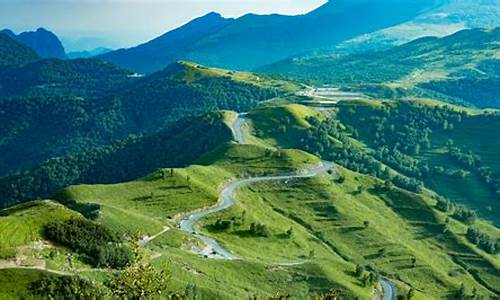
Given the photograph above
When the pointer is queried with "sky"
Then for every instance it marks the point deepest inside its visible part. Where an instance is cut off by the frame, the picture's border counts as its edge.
(86, 24)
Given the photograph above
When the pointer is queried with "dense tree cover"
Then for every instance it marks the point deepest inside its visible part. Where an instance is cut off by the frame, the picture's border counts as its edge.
(399, 132)
(478, 86)
(332, 141)
(54, 77)
(405, 127)
(179, 145)
(483, 240)
(13, 53)
(62, 125)
(99, 244)
(65, 287)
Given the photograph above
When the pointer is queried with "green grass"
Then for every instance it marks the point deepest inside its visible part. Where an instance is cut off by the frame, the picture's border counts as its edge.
(335, 225)
(403, 224)
(269, 120)
(14, 283)
(23, 223)
(259, 80)
(144, 205)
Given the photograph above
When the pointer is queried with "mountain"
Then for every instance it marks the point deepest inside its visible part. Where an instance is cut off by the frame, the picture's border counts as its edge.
(450, 17)
(13, 53)
(45, 43)
(88, 53)
(78, 109)
(158, 53)
(461, 68)
(255, 40)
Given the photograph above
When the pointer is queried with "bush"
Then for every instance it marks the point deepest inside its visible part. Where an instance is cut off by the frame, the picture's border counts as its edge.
(113, 256)
(65, 287)
(7, 252)
(92, 239)
(258, 229)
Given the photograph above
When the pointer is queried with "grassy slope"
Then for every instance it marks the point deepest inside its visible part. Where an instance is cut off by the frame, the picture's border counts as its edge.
(412, 237)
(22, 224)
(401, 223)
(326, 217)
(478, 132)
(14, 283)
(153, 200)
(449, 68)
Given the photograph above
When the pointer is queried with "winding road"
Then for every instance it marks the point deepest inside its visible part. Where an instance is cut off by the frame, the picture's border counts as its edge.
(212, 248)
(389, 289)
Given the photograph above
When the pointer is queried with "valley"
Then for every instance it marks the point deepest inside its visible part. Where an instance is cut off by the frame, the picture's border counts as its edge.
(337, 154)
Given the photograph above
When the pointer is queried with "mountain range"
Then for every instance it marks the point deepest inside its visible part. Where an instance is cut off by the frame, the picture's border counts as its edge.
(255, 40)
(460, 68)
(351, 163)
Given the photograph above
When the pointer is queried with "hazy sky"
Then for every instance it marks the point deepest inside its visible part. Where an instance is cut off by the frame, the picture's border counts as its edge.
(120, 23)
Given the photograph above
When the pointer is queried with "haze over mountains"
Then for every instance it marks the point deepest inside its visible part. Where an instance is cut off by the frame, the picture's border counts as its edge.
(253, 40)
(45, 43)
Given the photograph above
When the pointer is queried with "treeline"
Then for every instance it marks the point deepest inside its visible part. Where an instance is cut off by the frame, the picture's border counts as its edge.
(102, 247)
(404, 126)
(179, 145)
(483, 240)
(458, 212)
(55, 77)
(472, 162)
(480, 89)
(330, 140)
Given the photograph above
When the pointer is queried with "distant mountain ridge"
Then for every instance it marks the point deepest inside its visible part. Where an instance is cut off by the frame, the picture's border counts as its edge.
(255, 40)
(461, 68)
(45, 43)
(159, 52)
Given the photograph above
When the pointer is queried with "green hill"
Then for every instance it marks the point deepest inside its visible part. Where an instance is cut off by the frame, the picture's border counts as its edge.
(321, 233)
(178, 145)
(60, 124)
(460, 68)
(425, 142)
(23, 224)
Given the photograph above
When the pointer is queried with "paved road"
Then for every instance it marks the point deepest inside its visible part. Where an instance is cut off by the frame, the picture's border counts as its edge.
(389, 289)
(237, 128)
(226, 200)
(212, 248)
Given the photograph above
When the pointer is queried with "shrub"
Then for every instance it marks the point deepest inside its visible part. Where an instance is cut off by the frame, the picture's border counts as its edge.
(259, 230)
(92, 239)
(65, 287)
